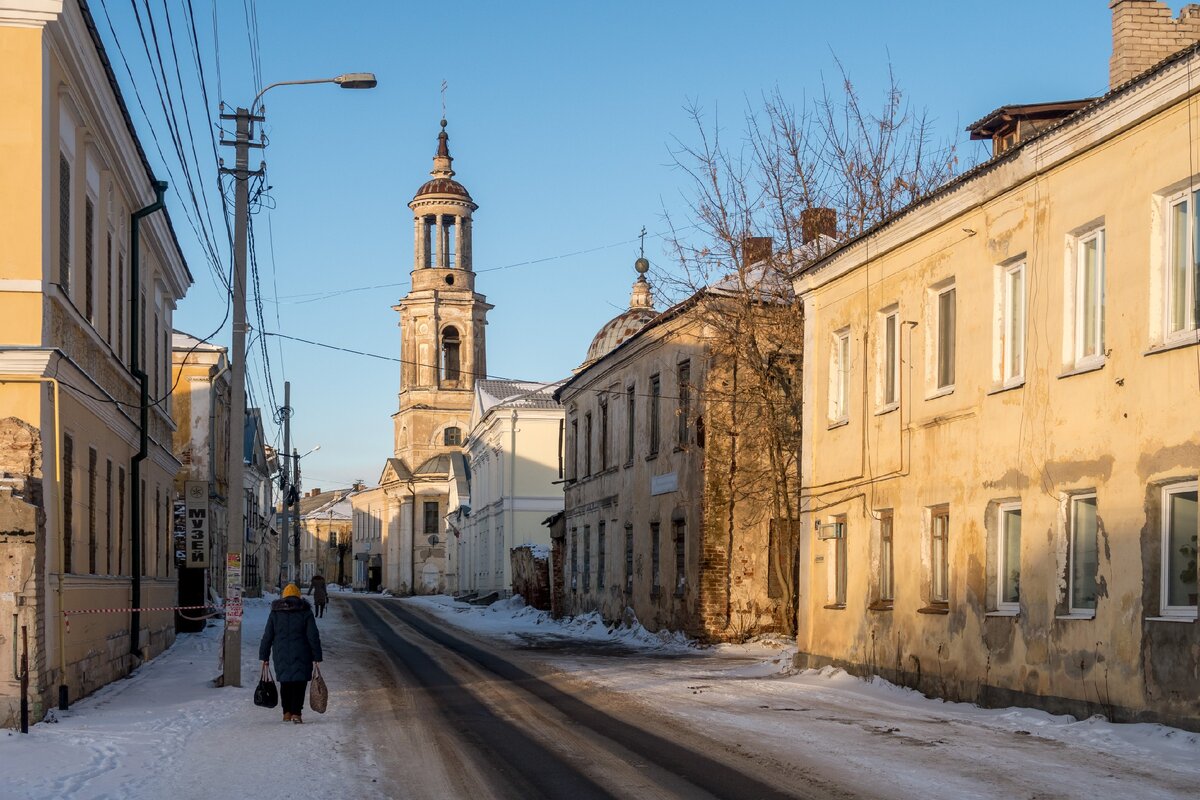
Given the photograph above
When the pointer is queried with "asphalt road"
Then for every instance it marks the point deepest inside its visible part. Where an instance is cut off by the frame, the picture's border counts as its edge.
(474, 719)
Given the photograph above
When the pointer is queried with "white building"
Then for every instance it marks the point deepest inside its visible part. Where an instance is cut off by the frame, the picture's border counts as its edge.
(514, 452)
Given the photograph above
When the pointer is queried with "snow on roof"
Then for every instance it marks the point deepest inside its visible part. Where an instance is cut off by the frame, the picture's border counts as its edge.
(516, 394)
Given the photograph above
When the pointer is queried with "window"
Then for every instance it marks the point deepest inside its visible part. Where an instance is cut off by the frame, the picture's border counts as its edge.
(450, 354)
(1182, 266)
(889, 363)
(601, 554)
(120, 521)
(840, 573)
(603, 434)
(839, 376)
(587, 444)
(1084, 557)
(630, 423)
(684, 409)
(939, 555)
(108, 517)
(452, 437)
(1008, 558)
(587, 557)
(431, 517)
(1089, 297)
(68, 490)
(946, 333)
(655, 397)
(114, 294)
(92, 510)
(89, 260)
(655, 573)
(887, 583)
(679, 535)
(1011, 339)
(1179, 550)
(64, 225)
(574, 449)
(121, 306)
(574, 558)
(628, 559)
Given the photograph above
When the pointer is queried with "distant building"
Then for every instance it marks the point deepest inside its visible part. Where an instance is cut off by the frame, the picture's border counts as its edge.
(261, 568)
(71, 302)
(514, 465)
(325, 522)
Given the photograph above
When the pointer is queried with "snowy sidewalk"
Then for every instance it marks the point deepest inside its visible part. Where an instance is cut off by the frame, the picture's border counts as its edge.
(166, 732)
(865, 735)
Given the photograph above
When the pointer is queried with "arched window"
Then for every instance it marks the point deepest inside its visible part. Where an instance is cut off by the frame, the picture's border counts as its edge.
(452, 437)
(450, 354)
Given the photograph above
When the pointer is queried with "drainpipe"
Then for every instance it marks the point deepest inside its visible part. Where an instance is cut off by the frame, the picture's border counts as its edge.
(412, 541)
(59, 516)
(512, 496)
(135, 463)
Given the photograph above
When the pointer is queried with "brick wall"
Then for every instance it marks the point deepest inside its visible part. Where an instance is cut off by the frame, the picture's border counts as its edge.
(531, 577)
(1145, 32)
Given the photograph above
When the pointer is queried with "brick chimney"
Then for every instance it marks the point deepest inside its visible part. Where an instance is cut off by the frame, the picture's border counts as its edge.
(816, 222)
(314, 493)
(1144, 33)
(755, 249)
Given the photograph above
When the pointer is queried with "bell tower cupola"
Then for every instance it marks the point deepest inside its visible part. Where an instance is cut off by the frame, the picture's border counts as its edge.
(442, 211)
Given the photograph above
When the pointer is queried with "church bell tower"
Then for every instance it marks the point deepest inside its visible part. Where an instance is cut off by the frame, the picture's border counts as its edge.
(442, 320)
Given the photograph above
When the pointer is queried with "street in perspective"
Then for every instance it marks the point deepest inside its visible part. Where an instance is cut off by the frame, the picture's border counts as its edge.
(826, 445)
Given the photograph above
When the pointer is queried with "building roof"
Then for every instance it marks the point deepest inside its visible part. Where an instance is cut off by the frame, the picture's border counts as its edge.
(188, 343)
(1004, 116)
(625, 325)
(515, 394)
(310, 504)
(446, 186)
(443, 184)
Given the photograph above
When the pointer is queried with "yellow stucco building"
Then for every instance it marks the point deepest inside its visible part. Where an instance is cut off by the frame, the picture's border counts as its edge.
(71, 306)
(1001, 444)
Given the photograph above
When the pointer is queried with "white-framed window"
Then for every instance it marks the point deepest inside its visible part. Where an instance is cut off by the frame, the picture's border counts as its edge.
(834, 532)
(939, 554)
(1179, 522)
(1182, 267)
(887, 580)
(1008, 557)
(1084, 555)
(942, 337)
(1088, 317)
(1010, 327)
(839, 376)
(888, 385)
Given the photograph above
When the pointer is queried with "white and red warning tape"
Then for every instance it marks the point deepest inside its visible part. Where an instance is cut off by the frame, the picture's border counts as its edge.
(67, 614)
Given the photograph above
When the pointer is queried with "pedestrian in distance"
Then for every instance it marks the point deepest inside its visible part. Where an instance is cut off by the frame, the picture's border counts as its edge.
(319, 594)
(291, 636)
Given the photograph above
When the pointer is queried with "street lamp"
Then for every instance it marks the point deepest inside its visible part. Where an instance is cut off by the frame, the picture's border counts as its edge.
(232, 668)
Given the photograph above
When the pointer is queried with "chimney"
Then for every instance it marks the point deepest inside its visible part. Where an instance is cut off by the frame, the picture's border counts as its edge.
(816, 222)
(359, 486)
(1144, 33)
(314, 493)
(755, 249)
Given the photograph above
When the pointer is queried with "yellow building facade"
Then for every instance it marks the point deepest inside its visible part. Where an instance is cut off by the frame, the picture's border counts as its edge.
(73, 172)
(1001, 444)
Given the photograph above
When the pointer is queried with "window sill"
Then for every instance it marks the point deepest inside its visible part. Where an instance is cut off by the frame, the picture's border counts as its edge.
(837, 423)
(679, 593)
(1004, 612)
(836, 606)
(652, 456)
(880, 605)
(680, 448)
(628, 464)
(936, 608)
(1180, 618)
(1185, 340)
(1083, 368)
(1008, 387)
(945, 390)
(889, 408)
(1078, 615)
(655, 594)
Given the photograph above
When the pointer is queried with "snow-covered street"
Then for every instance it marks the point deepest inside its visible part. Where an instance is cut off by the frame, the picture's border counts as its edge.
(431, 698)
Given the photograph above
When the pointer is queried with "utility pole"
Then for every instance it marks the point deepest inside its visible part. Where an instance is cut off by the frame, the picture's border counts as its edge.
(285, 484)
(232, 668)
(296, 517)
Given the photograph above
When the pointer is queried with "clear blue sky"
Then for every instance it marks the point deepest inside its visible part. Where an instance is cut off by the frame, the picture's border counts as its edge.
(561, 118)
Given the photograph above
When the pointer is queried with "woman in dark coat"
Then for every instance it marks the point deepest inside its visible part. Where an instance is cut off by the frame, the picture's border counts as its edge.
(291, 634)
(319, 593)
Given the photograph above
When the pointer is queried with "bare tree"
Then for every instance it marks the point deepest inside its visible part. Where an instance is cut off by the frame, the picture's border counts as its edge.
(798, 181)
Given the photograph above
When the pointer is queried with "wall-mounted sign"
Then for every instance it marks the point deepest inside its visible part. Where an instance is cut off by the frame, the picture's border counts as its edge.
(664, 484)
(196, 502)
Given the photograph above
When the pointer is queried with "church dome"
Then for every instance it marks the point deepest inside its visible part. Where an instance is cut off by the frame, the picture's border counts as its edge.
(624, 326)
(443, 186)
(442, 183)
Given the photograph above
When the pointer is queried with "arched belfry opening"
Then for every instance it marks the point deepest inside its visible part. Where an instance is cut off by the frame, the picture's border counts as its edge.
(451, 355)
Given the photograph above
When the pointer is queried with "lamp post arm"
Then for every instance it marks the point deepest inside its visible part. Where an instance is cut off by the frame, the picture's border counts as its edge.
(267, 88)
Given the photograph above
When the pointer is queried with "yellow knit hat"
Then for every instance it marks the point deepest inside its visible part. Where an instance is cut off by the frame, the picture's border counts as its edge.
(291, 590)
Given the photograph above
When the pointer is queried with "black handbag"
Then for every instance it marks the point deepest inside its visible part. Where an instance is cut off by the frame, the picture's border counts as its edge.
(266, 694)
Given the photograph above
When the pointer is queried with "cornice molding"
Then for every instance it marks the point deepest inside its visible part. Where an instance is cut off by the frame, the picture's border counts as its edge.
(28, 13)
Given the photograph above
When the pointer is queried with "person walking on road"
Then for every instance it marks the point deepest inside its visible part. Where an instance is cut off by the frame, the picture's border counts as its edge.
(291, 636)
(320, 595)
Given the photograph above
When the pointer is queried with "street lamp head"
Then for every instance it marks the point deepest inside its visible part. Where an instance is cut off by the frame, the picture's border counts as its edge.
(356, 80)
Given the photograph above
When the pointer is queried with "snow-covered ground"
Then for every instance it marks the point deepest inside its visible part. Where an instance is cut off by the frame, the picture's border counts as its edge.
(166, 732)
(869, 734)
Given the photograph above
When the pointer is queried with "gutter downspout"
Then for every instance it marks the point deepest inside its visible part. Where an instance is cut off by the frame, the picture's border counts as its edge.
(412, 541)
(512, 496)
(135, 463)
(59, 516)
